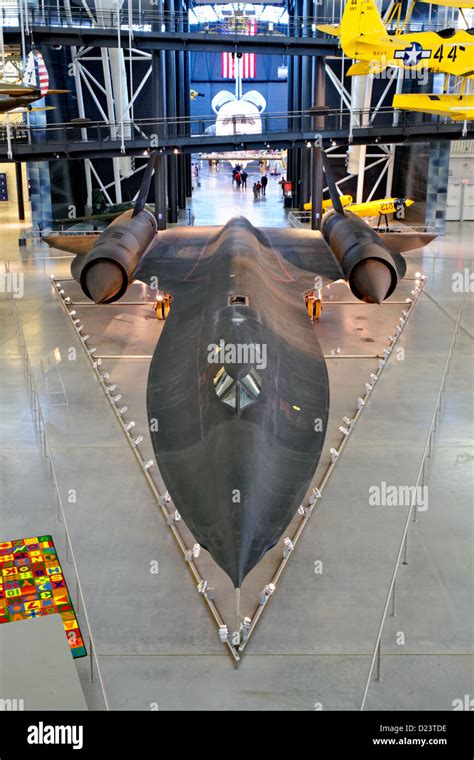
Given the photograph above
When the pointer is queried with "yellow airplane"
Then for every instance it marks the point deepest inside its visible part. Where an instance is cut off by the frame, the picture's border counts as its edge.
(365, 39)
(381, 208)
(345, 201)
(458, 107)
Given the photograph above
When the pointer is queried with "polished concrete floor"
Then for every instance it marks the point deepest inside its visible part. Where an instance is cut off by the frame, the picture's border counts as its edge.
(155, 640)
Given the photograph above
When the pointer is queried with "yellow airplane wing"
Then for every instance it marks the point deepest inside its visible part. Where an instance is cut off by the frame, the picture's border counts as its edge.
(363, 68)
(451, 3)
(458, 107)
(18, 90)
(31, 110)
(334, 31)
(327, 204)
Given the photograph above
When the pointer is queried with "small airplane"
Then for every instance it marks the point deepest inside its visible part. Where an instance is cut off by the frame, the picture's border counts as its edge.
(365, 39)
(18, 96)
(381, 208)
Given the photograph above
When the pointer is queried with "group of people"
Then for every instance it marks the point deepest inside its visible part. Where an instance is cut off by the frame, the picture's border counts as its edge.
(260, 187)
(239, 176)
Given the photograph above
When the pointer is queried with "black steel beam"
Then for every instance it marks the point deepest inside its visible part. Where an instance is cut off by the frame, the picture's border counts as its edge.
(194, 41)
(23, 151)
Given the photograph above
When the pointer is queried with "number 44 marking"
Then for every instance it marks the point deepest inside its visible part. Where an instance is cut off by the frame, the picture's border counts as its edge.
(452, 55)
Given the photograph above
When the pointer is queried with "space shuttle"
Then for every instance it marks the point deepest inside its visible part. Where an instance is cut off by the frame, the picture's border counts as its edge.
(238, 378)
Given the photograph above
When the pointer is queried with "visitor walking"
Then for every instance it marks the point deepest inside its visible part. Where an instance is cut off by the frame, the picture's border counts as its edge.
(264, 182)
(243, 177)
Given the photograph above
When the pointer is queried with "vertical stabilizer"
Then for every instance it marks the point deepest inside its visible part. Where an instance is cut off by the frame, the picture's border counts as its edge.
(361, 17)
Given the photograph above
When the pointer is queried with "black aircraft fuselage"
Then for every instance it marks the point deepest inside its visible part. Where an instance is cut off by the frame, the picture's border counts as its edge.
(238, 393)
(239, 388)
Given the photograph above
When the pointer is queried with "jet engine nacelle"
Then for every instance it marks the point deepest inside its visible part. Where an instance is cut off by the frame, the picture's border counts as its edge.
(105, 272)
(370, 269)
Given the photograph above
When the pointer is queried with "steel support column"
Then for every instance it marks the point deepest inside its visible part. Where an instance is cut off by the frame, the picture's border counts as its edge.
(171, 112)
(317, 184)
(159, 110)
(317, 181)
(160, 191)
(19, 191)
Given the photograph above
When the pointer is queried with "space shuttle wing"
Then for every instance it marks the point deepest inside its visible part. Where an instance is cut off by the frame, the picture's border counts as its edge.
(304, 249)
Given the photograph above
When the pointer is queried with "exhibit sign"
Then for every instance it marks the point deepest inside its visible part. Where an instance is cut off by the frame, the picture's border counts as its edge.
(32, 584)
(3, 187)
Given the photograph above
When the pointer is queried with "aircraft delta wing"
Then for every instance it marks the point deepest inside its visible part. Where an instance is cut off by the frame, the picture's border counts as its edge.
(238, 379)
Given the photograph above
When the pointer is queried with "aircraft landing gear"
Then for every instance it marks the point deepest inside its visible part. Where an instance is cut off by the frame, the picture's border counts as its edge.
(314, 304)
(163, 305)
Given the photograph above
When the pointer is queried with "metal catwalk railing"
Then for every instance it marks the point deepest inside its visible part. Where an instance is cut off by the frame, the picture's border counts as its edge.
(42, 430)
(302, 220)
(411, 516)
(180, 128)
(151, 20)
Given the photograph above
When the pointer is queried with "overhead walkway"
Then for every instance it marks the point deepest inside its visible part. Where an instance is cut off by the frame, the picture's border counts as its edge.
(154, 30)
(90, 139)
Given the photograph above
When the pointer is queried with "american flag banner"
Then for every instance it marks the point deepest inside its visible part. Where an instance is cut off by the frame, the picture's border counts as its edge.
(248, 62)
(36, 73)
(43, 77)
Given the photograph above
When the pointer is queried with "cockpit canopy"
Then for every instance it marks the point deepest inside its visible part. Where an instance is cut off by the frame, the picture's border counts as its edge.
(238, 394)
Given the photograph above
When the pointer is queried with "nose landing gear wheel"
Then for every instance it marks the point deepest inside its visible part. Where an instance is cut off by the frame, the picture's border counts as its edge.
(314, 305)
(163, 305)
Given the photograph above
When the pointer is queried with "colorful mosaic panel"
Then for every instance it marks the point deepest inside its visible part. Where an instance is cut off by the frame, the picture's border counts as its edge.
(32, 584)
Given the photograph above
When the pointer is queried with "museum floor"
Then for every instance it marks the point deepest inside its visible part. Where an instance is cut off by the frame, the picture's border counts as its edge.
(155, 640)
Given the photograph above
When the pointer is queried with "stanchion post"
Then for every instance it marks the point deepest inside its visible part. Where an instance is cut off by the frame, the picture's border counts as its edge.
(91, 655)
(378, 671)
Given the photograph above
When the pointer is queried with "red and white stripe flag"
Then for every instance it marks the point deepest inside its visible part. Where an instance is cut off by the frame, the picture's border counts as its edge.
(43, 77)
(248, 60)
(36, 73)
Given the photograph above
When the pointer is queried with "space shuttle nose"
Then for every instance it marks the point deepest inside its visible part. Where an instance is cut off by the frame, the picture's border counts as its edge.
(372, 279)
(103, 280)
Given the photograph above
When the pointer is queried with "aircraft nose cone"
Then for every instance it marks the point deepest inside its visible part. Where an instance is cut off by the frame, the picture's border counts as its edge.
(103, 281)
(372, 279)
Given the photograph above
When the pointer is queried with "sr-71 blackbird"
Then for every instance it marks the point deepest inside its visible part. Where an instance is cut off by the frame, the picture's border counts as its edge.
(238, 382)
